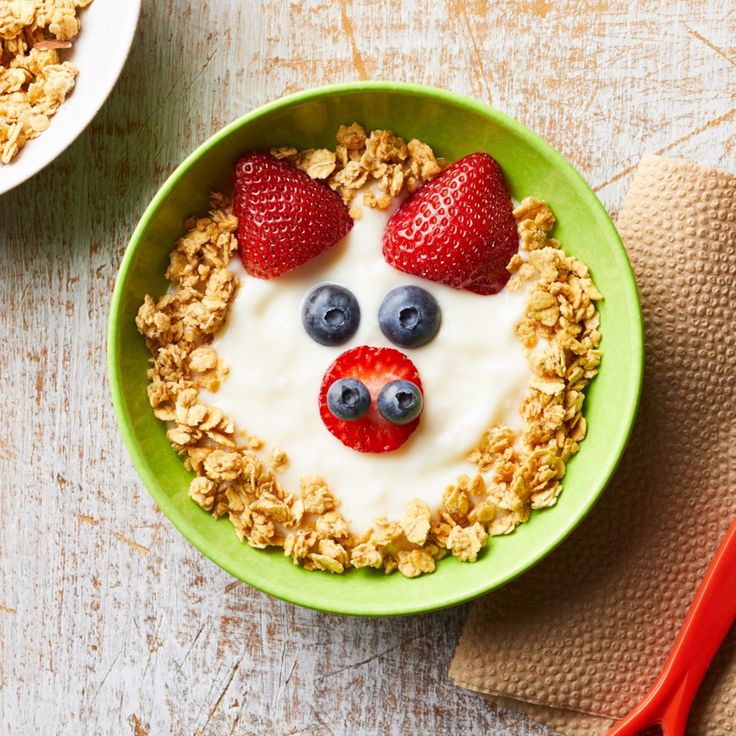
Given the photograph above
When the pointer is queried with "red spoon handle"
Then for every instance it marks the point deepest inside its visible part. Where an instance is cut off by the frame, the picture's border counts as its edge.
(710, 617)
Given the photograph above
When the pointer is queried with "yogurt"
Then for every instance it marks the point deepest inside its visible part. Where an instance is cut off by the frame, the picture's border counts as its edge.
(474, 374)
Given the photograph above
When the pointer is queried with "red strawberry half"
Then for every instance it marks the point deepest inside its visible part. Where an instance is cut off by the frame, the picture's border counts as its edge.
(457, 229)
(284, 217)
(375, 367)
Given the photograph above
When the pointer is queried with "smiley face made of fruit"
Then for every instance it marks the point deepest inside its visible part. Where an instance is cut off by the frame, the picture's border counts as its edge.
(457, 231)
(374, 352)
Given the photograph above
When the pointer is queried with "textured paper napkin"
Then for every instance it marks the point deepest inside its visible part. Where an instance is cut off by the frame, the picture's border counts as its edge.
(578, 640)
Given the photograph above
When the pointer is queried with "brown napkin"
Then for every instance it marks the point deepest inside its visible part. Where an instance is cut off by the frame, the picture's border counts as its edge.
(578, 640)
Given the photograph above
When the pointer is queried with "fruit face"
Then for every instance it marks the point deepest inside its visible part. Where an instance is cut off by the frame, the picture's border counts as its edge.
(330, 314)
(284, 217)
(409, 316)
(400, 402)
(457, 229)
(374, 368)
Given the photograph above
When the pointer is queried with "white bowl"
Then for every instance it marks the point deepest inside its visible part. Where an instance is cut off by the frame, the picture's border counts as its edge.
(99, 51)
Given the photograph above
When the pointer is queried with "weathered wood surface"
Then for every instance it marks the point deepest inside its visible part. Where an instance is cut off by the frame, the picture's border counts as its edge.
(109, 621)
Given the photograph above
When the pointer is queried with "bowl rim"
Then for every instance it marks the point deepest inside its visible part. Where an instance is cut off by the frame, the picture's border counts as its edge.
(164, 502)
(66, 139)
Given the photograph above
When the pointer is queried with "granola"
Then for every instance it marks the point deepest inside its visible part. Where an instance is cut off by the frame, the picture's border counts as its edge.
(379, 158)
(514, 473)
(34, 82)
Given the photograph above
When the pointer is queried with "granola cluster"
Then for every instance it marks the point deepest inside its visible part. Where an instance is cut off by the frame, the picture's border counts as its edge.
(235, 476)
(381, 158)
(232, 476)
(34, 82)
(561, 336)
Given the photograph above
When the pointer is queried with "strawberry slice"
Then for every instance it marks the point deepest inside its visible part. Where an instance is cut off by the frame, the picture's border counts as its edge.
(284, 217)
(375, 367)
(457, 229)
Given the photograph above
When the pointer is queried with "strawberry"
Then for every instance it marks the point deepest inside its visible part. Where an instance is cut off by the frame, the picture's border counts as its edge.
(375, 367)
(457, 229)
(284, 217)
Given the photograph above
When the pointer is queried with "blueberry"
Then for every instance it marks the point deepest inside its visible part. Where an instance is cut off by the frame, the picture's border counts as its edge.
(400, 401)
(409, 316)
(348, 399)
(330, 314)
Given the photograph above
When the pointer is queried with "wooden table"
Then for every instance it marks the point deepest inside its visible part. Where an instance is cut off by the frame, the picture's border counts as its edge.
(110, 622)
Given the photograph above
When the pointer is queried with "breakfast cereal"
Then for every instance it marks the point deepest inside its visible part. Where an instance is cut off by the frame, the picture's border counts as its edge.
(272, 500)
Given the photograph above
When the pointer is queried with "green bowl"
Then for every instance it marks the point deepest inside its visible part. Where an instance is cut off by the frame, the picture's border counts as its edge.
(454, 126)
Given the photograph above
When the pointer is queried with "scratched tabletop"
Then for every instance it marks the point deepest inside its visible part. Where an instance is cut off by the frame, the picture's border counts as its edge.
(110, 622)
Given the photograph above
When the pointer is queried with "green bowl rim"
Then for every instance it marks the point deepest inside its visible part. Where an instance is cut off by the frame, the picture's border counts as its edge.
(198, 539)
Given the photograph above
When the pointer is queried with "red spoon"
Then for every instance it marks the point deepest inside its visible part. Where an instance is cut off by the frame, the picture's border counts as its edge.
(710, 617)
